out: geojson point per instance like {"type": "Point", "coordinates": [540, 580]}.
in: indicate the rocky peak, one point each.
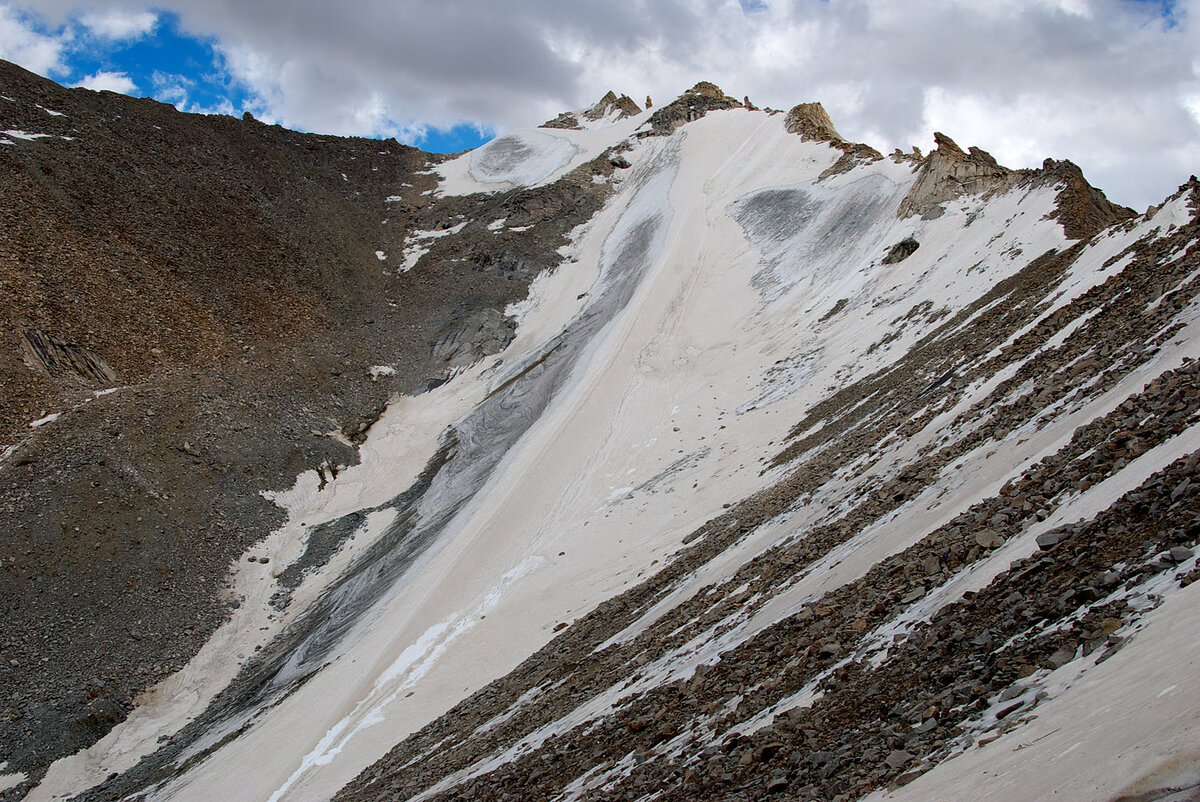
{"type": "Point", "coordinates": [709, 90]}
{"type": "Point", "coordinates": [1082, 210]}
{"type": "Point", "coordinates": [691, 105]}
{"type": "Point", "coordinates": [811, 122]}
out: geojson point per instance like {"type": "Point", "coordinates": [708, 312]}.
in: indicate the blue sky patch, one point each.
{"type": "Point", "coordinates": [1166, 9]}
{"type": "Point", "coordinates": [189, 72]}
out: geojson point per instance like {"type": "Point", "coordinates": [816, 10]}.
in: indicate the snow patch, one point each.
{"type": "Point", "coordinates": [381, 370]}
{"type": "Point", "coordinates": [17, 134]}
{"type": "Point", "coordinates": [8, 781]}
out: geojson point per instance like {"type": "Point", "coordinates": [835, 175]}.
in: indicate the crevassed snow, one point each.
{"type": "Point", "coordinates": [521, 158]}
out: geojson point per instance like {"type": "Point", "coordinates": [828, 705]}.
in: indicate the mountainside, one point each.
{"type": "Point", "coordinates": [687, 453]}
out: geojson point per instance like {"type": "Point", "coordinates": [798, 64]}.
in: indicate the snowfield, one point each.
{"type": "Point", "coordinates": [709, 318]}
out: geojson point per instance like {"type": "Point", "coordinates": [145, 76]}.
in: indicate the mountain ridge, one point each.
{"type": "Point", "coordinates": [924, 344]}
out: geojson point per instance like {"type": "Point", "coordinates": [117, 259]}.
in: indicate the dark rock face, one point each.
{"type": "Point", "coordinates": [901, 251]}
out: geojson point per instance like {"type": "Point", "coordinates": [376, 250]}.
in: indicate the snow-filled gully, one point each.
{"type": "Point", "coordinates": [473, 448]}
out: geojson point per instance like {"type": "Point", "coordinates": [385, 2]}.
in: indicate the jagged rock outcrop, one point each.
{"type": "Point", "coordinates": [1083, 210]}
{"type": "Point", "coordinates": [691, 105]}
{"type": "Point", "coordinates": [623, 105]}
{"type": "Point", "coordinates": [813, 124]}
{"type": "Point", "coordinates": [948, 173]}
{"type": "Point", "coordinates": [915, 157]}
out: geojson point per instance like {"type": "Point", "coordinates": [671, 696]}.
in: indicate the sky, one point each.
{"type": "Point", "coordinates": [1113, 85]}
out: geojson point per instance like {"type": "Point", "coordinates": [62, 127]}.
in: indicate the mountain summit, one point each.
{"type": "Point", "coordinates": [693, 452]}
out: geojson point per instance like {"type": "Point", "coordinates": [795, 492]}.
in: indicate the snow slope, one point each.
{"type": "Point", "coordinates": [726, 292]}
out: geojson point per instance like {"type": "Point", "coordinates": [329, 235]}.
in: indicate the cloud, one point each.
{"type": "Point", "coordinates": [119, 25]}
{"type": "Point", "coordinates": [108, 81]}
{"type": "Point", "coordinates": [171, 87]}
{"type": "Point", "coordinates": [21, 44]}
{"type": "Point", "coordinates": [1110, 84]}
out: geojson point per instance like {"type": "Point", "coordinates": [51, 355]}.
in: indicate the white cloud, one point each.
{"type": "Point", "coordinates": [108, 81]}
{"type": "Point", "coordinates": [1109, 84]}
{"type": "Point", "coordinates": [119, 25]}
{"type": "Point", "coordinates": [171, 88]}
{"type": "Point", "coordinates": [21, 44]}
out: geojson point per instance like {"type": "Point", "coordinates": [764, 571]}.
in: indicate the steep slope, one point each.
{"type": "Point", "coordinates": [196, 309]}
{"type": "Point", "coordinates": [798, 471]}
{"type": "Point", "coordinates": [988, 484]}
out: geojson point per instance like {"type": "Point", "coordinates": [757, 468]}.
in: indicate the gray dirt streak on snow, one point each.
{"type": "Point", "coordinates": [807, 233]}
{"type": "Point", "coordinates": [469, 453]}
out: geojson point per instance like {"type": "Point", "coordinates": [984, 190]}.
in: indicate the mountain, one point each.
{"type": "Point", "coordinates": [687, 453]}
